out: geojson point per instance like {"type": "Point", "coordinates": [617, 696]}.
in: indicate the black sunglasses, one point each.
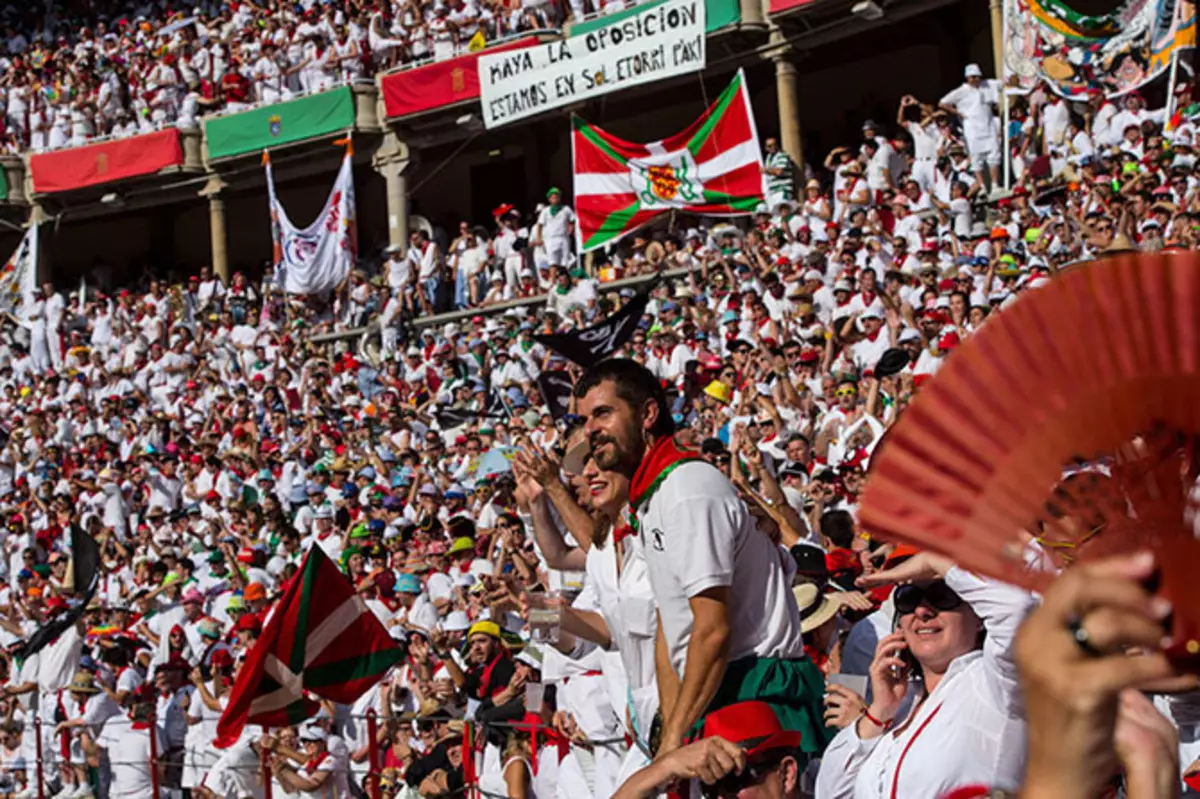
{"type": "Point", "coordinates": [937, 595]}
{"type": "Point", "coordinates": [733, 784]}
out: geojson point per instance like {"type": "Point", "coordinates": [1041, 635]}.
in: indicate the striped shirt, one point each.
{"type": "Point", "coordinates": [780, 184]}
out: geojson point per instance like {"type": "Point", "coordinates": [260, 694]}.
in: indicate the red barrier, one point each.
{"type": "Point", "coordinates": [373, 762]}
{"type": "Point", "coordinates": [41, 776]}
{"type": "Point", "coordinates": [153, 730]}
{"type": "Point", "coordinates": [104, 162]}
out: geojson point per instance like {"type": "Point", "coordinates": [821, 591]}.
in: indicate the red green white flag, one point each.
{"type": "Point", "coordinates": [714, 168]}
{"type": "Point", "coordinates": [321, 641]}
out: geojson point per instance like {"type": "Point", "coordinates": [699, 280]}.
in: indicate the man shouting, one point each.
{"type": "Point", "coordinates": [728, 627]}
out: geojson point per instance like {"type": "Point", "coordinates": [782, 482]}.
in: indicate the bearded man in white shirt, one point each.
{"type": "Point", "coordinates": [728, 626]}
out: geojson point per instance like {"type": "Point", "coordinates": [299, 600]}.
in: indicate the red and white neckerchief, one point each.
{"type": "Point", "coordinates": [315, 763]}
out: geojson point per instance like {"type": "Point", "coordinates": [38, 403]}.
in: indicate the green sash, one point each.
{"type": "Point", "coordinates": [794, 689]}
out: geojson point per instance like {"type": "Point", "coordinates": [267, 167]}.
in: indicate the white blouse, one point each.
{"type": "Point", "coordinates": [970, 730]}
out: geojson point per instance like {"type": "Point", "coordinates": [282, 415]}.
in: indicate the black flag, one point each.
{"type": "Point", "coordinates": [589, 346]}
{"type": "Point", "coordinates": [556, 388]}
{"type": "Point", "coordinates": [450, 418]}
{"type": "Point", "coordinates": [85, 556]}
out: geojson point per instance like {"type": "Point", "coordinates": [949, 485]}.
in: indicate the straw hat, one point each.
{"type": "Point", "coordinates": [83, 683]}
{"type": "Point", "coordinates": [815, 607]}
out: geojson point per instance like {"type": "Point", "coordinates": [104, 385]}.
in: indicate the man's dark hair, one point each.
{"type": "Point", "coordinates": [635, 384]}
{"type": "Point", "coordinates": [838, 527]}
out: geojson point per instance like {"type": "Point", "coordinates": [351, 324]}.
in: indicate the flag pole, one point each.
{"type": "Point", "coordinates": [1172, 79]}
{"type": "Point", "coordinates": [1002, 65]}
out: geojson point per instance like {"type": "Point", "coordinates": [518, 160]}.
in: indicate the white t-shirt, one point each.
{"type": "Point", "coordinates": [697, 534]}
{"type": "Point", "coordinates": [975, 106]}
{"type": "Point", "coordinates": [129, 755]}
{"type": "Point", "coordinates": [556, 224]}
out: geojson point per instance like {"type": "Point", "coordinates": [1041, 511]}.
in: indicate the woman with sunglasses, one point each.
{"type": "Point", "coordinates": [951, 655]}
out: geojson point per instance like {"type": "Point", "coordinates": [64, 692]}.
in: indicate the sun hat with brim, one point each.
{"type": "Point", "coordinates": [719, 391]}
{"type": "Point", "coordinates": [456, 621]}
{"type": "Point", "coordinates": [531, 656]}
{"type": "Point", "coordinates": [891, 362]}
{"type": "Point", "coordinates": [311, 732]}
{"type": "Point", "coordinates": [461, 544]}
{"type": "Point", "coordinates": [209, 628]}
{"type": "Point", "coordinates": [815, 607]}
{"type": "Point", "coordinates": [83, 683]}
{"type": "Point", "coordinates": [576, 457]}
{"type": "Point", "coordinates": [751, 725]}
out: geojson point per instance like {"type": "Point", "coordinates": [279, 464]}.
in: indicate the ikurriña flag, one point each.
{"type": "Point", "coordinates": [321, 641]}
{"type": "Point", "coordinates": [714, 167]}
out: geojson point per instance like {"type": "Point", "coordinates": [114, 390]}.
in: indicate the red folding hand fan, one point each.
{"type": "Point", "coordinates": [1071, 419]}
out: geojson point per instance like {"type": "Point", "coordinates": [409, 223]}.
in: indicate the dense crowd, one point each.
{"type": "Point", "coordinates": [123, 68]}
{"type": "Point", "coordinates": [677, 557]}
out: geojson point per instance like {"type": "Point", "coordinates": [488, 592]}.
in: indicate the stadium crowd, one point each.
{"type": "Point", "coordinates": [124, 68]}
{"type": "Point", "coordinates": [597, 602]}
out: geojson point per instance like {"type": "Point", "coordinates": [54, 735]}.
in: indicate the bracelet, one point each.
{"type": "Point", "coordinates": [883, 725]}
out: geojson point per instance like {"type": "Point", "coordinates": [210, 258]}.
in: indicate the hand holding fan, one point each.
{"type": "Point", "coordinates": [1070, 420]}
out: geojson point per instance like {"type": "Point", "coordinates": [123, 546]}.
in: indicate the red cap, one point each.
{"type": "Point", "coordinates": [842, 559]}
{"type": "Point", "coordinates": [250, 623]}
{"type": "Point", "coordinates": [752, 725]}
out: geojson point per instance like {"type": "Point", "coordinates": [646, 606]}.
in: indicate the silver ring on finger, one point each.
{"type": "Point", "coordinates": [1082, 638]}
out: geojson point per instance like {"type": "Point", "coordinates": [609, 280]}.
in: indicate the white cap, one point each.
{"type": "Point", "coordinates": [311, 732]}
{"type": "Point", "coordinates": [973, 71]}
{"type": "Point", "coordinates": [908, 334]}
{"type": "Point", "coordinates": [869, 313]}
{"type": "Point", "coordinates": [456, 621]}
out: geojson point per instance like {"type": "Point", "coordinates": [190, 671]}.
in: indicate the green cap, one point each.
{"type": "Point", "coordinates": [553, 190]}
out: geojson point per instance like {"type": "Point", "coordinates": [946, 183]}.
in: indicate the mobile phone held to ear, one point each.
{"type": "Point", "coordinates": [910, 668]}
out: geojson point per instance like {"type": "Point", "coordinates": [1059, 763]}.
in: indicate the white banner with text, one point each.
{"type": "Point", "coordinates": [660, 42]}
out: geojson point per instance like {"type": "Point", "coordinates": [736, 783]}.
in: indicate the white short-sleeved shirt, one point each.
{"type": "Point", "coordinates": [696, 534]}
{"type": "Point", "coordinates": [129, 754]}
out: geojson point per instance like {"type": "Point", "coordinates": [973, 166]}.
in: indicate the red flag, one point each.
{"type": "Point", "coordinates": [322, 640]}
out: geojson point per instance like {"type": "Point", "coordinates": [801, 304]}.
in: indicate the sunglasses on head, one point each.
{"type": "Point", "coordinates": [937, 595]}
{"type": "Point", "coordinates": [732, 784]}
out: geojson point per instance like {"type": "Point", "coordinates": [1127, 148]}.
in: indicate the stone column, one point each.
{"type": "Point", "coordinates": [391, 160]}
{"type": "Point", "coordinates": [37, 218]}
{"type": "Point", "coordinates": [216, 227]}
{"type": "Point", "coordinates": [996, 9]}
{"type": "Point", "coordinates": [789, 115]}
